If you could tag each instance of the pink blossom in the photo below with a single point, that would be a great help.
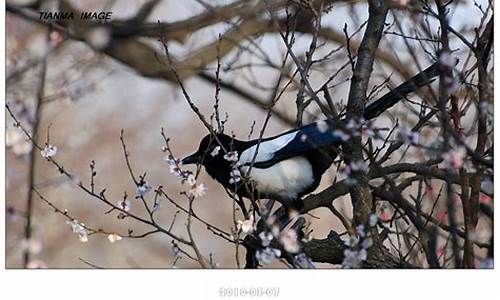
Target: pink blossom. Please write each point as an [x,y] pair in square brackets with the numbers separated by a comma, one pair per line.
[441,251]
[454,158]
[400,3]
[384,216]
[485,199]
[36,264]
[442,216]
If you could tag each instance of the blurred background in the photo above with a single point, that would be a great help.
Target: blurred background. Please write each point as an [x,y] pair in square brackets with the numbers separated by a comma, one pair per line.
[90,94]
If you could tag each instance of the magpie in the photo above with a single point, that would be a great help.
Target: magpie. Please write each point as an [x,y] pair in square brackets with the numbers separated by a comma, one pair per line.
[290,165]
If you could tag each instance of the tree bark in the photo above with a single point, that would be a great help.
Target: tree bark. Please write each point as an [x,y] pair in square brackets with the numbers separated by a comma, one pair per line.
[360,192]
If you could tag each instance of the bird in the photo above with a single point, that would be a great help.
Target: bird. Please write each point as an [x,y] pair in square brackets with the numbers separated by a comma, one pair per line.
[290,165]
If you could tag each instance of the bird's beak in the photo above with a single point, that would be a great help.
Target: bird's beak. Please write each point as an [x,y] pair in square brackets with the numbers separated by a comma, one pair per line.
[191,159]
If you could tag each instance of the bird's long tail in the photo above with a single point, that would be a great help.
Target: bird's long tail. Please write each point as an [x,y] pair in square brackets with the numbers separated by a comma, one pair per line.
[421,79]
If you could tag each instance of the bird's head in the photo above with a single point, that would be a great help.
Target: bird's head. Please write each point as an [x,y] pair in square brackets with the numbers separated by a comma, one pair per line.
[209,149]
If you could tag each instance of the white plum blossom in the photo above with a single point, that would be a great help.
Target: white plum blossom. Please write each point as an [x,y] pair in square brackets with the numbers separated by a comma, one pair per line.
[322,126]
[372,220]
[15,139]
[452,84]
[446,59]
[48,151]
[38,47]
[157,205]
[433,149]
[114,237]
[367,131]
[288,239]
[234,176]
[270,220]
[267,255]
[454,158]
[303,262]
[143,188]
[487,263]
[83,236]
[358,245]
[22,148]
[98,37]
[357,166]
[266,237]
[198,190]
[345,171]
[352,241]
[246,226]
[174,166]
[363,254]
[408,136]
[172,161]
[177,251]
[354,259]
[487,187]
[472,236]
[485,107]
[360,230]
[215,151]
[31,245]
[446,63]
[354,126]
[174,169]
[80,229]
[13,136]
[275,230]
[367,243]
[191,180]
[124,204]
[341,134]
[231,156]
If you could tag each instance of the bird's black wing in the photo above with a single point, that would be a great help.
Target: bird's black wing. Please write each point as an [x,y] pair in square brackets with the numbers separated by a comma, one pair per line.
[312,136]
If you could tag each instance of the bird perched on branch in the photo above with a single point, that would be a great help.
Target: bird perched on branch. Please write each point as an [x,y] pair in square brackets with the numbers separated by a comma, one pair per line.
[290,165]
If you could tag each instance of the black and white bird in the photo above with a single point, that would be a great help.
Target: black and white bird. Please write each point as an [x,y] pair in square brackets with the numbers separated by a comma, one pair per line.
[290,165]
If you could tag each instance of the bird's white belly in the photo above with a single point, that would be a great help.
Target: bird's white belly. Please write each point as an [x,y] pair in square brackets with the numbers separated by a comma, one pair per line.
[284,179]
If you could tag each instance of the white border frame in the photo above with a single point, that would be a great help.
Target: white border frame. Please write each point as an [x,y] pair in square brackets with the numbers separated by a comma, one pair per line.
[188,284]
